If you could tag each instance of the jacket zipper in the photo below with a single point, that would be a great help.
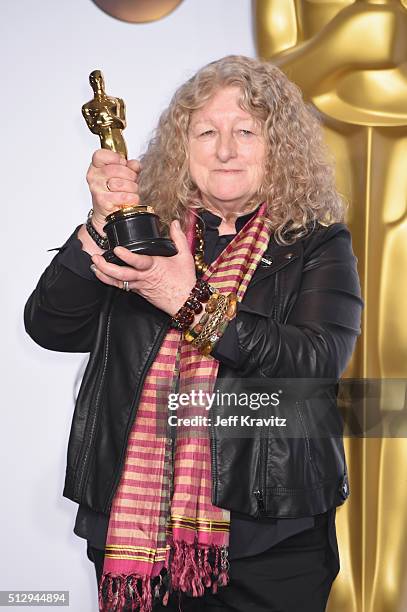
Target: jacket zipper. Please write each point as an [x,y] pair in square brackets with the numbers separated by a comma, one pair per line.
[260,501]
[148,363]
[260,491]
[82,463]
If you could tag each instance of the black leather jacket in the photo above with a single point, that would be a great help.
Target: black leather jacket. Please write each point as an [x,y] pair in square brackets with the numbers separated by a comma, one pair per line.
[299,319]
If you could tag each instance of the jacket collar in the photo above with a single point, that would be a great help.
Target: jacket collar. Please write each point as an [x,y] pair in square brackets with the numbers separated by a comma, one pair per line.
[212,221]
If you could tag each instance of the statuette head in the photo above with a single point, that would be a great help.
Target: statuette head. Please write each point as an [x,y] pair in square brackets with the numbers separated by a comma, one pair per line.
[96,82]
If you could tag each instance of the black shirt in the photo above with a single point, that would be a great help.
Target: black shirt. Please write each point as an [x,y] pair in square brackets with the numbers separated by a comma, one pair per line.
[248,536]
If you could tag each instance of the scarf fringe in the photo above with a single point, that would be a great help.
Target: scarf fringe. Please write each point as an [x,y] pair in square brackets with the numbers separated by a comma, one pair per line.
[121,592]
[192,572]
[189,571]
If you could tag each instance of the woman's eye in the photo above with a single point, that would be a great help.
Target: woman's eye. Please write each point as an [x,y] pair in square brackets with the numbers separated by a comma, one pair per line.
[207,133]
[245,132]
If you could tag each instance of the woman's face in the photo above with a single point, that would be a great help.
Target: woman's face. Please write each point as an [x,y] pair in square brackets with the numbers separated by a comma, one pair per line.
[226,152]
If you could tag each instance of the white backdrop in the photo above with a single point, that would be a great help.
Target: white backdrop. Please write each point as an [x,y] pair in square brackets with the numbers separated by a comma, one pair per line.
[48,49]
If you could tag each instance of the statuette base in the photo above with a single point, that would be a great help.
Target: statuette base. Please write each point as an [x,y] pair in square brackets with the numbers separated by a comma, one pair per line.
[138,230]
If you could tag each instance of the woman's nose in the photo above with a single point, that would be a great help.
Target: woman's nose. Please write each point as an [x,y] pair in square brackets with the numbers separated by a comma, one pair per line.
[226,147]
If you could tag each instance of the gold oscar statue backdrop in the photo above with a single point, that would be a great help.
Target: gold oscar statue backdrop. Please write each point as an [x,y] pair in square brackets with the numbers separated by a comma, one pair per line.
[350,60]
[137,11]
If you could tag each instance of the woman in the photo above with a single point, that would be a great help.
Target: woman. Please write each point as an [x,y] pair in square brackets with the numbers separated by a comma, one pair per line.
[225,522]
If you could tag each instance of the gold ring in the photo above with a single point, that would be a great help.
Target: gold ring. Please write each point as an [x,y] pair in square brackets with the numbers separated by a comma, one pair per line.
[126,286]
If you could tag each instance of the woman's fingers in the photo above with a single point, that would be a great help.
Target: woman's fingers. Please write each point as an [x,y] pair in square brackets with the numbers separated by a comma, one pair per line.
[111,163]
[112,200]
[136,260]
[112,183]
[123,185]
[114,281]
[134,165]
[101,157]
[116,171]
[108,280]
[99,176]
[115,272]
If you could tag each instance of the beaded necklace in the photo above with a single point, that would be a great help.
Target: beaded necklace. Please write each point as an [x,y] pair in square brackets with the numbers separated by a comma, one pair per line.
[200,264]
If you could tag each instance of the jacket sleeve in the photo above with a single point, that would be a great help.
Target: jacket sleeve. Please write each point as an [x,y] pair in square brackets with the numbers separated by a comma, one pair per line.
[62,312]
[318,338]
[227,351]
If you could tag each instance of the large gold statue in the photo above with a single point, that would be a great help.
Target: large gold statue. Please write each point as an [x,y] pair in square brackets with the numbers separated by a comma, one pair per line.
[350,60]
[105,116]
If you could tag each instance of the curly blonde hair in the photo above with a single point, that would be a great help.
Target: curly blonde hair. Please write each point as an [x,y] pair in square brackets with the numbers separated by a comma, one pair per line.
[299,177]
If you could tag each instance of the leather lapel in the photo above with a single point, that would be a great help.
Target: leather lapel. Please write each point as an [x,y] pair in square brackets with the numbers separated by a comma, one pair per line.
[275,258]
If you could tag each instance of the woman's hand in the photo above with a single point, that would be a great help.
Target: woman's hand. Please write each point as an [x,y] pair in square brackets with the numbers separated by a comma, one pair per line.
[112,182]
[165,282]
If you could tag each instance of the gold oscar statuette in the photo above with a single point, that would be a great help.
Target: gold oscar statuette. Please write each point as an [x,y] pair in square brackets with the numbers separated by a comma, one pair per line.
[134,227]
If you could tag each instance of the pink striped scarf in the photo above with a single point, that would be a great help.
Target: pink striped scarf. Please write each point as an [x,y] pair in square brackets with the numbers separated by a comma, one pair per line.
[164,534]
